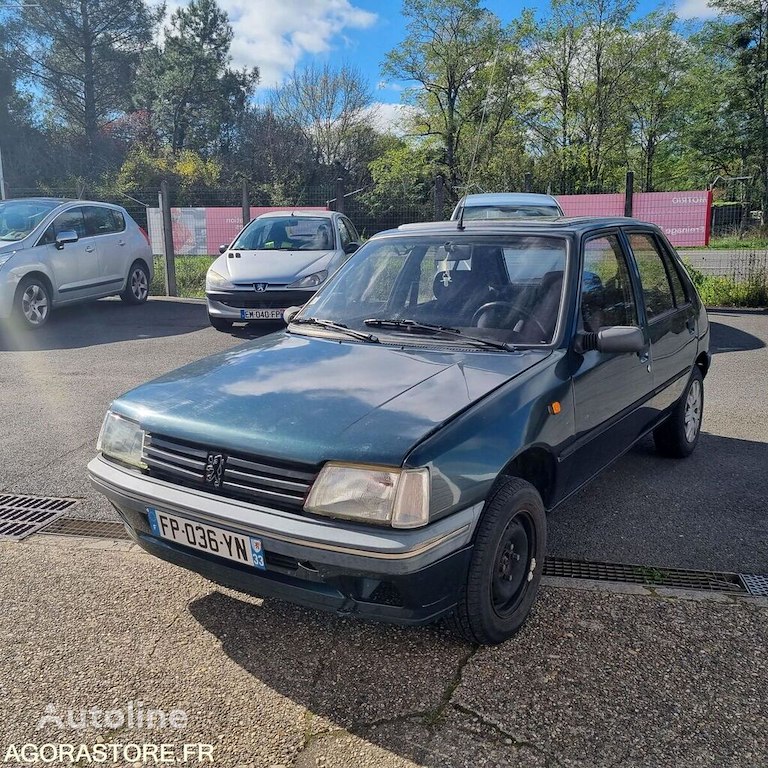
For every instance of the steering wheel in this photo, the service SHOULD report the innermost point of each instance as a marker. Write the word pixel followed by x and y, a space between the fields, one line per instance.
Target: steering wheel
pixel 491 305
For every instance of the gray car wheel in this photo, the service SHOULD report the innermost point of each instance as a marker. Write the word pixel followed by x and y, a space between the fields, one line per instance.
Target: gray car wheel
pixel 33 303
pixel 137 287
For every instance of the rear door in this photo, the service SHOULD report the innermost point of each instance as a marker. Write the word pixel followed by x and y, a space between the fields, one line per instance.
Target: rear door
pixel 670 315
pixel 106 227
pixel 75 267
pixel 609 389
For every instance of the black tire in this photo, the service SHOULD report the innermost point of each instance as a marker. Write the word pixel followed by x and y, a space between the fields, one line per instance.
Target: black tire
pixel 137 285
pixel 220 325
pixel 489 609
pixel 678 436
pixel 32 303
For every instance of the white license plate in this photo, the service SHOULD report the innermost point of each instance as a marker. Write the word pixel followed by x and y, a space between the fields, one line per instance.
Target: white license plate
pixel 261 314
pixel 207 538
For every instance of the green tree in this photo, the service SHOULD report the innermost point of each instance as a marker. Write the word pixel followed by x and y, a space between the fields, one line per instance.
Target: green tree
pixel 186 84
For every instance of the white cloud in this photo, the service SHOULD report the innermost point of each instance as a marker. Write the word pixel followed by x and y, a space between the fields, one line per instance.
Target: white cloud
pixel 273 35
pixel 696 9
pixel 390 118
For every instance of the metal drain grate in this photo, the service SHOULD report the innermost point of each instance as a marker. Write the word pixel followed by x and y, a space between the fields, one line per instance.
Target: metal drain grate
pixel 643 574
pixel 99 529
pixel 756 585
pixel 21 516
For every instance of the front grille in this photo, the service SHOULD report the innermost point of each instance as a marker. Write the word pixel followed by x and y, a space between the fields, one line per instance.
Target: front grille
pixel 265 300
pixel 249 478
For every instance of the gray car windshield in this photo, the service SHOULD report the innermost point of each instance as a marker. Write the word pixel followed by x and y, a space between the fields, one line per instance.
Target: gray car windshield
pixel 496 288
pixel 288 233
pixel 501 212
pixel 19 217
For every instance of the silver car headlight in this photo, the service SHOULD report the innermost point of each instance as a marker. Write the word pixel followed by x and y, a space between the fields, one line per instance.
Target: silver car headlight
pixel 382 495
pixel 310 281
pixel 216 282
pixel 121 439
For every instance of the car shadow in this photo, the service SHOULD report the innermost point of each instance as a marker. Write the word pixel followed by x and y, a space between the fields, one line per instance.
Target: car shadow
pixel 726 338
pixel 105 322
pixel 706 512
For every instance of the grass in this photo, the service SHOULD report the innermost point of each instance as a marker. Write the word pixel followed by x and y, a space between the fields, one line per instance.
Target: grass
pixel 190 276
pixel 756 240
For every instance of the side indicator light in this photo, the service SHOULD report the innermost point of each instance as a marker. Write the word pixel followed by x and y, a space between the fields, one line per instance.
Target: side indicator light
pixel 554 408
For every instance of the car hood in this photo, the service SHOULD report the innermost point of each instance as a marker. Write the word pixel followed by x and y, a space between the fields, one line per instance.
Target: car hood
pixel 271 266
pixel 311 399
pixel 11 245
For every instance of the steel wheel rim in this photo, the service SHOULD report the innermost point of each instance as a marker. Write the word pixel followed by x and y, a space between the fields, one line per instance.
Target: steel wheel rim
pixel 34 305
pixel 513 564
pixel 693 411
pixel 139 286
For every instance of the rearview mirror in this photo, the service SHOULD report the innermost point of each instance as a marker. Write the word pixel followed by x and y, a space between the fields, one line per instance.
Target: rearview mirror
pixel 613 340
pixel 223 248
pixel 67 236
pixel 290 313
pixel 350 248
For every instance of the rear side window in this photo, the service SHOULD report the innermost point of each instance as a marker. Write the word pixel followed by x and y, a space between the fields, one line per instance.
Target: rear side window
pixel 662 289
pixel 103 221
pixel 606 289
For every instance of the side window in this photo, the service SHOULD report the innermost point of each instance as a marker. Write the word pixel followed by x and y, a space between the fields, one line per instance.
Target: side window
pixel 118 221
pixel 98 221
pixel 606 288
pixel 346 237
pixel 69 220
pixel 355 237
pixel 654 277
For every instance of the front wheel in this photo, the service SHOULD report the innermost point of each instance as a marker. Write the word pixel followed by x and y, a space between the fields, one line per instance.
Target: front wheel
pixel 679 434
pixel 506 565
pixel 137 286
pixel 32 303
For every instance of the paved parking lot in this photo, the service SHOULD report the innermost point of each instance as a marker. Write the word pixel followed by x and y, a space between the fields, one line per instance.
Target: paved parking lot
pixel 706 512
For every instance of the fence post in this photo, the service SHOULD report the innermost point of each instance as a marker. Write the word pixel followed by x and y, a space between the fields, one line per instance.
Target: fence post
pixel 170 261
pixel 528 182
pixel 246 203
pixel 439 198
pixel 339 205
pixel 629 188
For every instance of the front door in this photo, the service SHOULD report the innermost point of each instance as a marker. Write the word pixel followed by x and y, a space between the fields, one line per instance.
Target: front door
pixel 608 389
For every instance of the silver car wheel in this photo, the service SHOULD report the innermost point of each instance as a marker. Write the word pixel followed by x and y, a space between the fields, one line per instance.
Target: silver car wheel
pixel 693 411
pixel 34 305
pixel 139 284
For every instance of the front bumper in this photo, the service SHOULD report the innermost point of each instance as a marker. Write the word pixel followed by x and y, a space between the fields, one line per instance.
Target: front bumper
pixel 228 305
pixel 403 577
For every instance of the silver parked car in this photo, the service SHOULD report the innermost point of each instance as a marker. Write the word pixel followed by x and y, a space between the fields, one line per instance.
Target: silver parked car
pixel 507 205
pixel 57 252
pixel 277 261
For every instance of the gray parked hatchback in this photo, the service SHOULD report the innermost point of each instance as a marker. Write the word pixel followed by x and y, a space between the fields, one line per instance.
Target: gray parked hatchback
pixel 57 252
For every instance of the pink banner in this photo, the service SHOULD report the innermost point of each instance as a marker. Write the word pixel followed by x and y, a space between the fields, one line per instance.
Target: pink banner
pixel 682 216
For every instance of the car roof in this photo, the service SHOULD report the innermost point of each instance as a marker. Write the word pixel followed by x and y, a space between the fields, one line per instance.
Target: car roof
pixel 57 200
pixel 562 226
pixel 297 213
pixel 508 198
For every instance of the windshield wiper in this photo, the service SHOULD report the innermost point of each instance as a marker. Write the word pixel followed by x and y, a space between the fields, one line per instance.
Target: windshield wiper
pixel 336 327
pixel 413 325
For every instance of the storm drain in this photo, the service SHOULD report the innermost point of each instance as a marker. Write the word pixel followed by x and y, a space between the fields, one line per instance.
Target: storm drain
pixel 713 581
pixel 21 516
pixel 99 529
pixel 756 585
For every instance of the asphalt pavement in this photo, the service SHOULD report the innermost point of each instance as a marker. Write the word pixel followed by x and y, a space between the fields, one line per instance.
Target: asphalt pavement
pixel 705 512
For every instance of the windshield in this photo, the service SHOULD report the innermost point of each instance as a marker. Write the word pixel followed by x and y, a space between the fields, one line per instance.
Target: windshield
pixel 19 217
pixel 501 212
pixel 504 288
pixel 287 233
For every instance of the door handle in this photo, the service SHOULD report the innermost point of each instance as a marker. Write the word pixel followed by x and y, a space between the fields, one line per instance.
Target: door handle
pixel 90 248
pixel 121 242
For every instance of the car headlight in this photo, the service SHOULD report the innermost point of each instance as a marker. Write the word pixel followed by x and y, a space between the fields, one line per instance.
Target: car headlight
pixel 121 439
pixel 216 282
pixel 310 281
pixel 382 495
pixel 4 257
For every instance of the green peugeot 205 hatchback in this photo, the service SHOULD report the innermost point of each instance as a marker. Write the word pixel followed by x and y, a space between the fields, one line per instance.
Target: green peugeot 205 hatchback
pixel 391 454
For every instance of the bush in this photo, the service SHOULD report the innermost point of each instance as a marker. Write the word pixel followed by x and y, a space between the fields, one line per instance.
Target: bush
pixel 723 291
pixel 190 276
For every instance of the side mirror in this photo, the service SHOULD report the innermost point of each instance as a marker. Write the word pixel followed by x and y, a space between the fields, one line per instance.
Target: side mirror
pixel 67 236
pixel 614 340
pixel 223 248
pixel 350 248
pixel 290 313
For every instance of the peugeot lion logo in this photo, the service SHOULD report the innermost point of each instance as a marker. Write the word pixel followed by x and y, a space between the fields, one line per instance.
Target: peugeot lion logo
pixel 260 287
pixel 214 470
